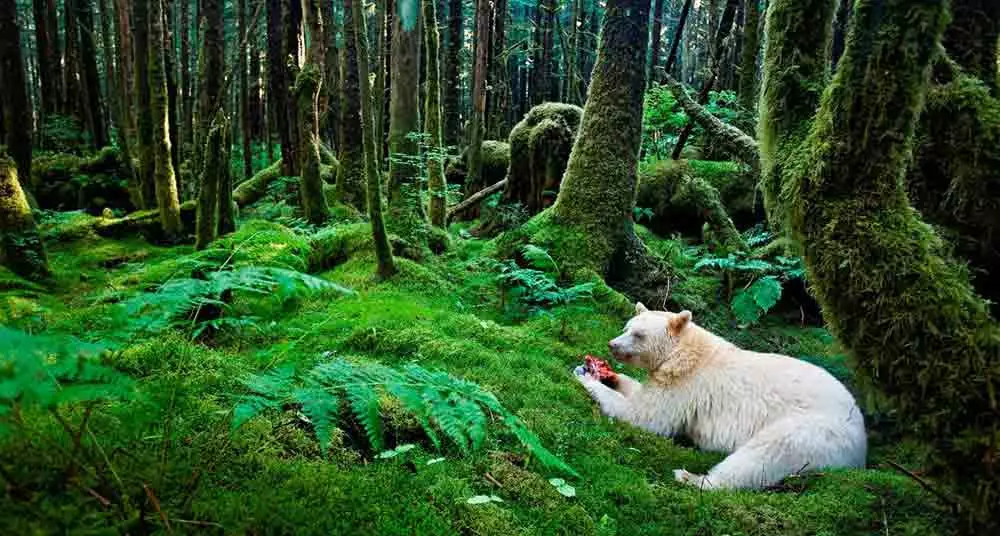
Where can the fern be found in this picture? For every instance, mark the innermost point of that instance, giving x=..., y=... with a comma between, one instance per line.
x=446, y=406
x=756, y=300
x=47, y=372
x=540, y=259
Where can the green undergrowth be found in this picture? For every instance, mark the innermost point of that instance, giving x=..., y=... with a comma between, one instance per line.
x=172, y=440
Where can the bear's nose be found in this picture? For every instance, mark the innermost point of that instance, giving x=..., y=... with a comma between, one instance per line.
x=611, y=345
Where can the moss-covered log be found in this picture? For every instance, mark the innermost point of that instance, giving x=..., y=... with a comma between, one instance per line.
x=253, y=189
x=21, y=247
x=311, y=183
x=146, y=223
x=889, y=291
x=738, y=144
x=496, y=159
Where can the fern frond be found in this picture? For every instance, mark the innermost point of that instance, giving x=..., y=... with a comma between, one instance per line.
x=365, y=406
x=540, y=259
x=320, y=406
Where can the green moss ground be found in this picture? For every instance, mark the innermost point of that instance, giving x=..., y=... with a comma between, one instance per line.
x=269, y=476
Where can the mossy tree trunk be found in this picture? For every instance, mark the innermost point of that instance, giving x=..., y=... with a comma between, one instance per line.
x=452, y=91
x=227, y=205
x=331, y=76
x=144, y=112
x=166, y=185
x=597, y=194
x=210, y=73
x=432, y=118
x=473, y=180
x=93, y=112
x=747, y=91
x=386, y=264
x=406, y=211
x=207, y=223
x=244, y=92
x=310, y=183
x=21, y=248
x=16, y=107
x=971, y=38
x=888, y=289
x=351, y=174
x=656, y=40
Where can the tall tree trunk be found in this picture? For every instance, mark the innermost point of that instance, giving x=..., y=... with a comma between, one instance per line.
x=678, y=37
x=355, y=27
x=48, y=61
x=72, y=73
x=169, y=64
x=21, y=247
x=432, y=118
x=573, y=95
x=654, y=47
x=126, y=129
x=52, y=21
x=207, y=219
x=227, y=206
x=499, y=101
x=882, y=275
x=406, y=211
x=187, y=91
x=748, y=62
x=166, y=185
x=93, y=110
x=17, y=109
x=244, y=92
x=452, y=90
x=277, y=89
x=598, y=189
x=211, y=69
x=331, y=72
x=383, y=127
x=117, y=100
x=351, y=173
x=144, y=113
x=473, y=180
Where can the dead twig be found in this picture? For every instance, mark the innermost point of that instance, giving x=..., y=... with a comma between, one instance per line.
x=156, y=505
x=924, y=484
x=492, y=480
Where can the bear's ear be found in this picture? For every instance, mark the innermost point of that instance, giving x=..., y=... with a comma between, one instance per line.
x=640, y=308
x=677, y=322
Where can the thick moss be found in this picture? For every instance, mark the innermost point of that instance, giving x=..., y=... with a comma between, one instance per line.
x=310, y=183
x=889, y=291
x=496, y=160
x=93, y=183
x=206, y=226
x=253, y=189
x=598, y=189
x=955, y=177
x=21, y=248
x=540, y=145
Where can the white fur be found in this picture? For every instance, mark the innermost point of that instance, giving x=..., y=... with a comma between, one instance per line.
x=776, y=415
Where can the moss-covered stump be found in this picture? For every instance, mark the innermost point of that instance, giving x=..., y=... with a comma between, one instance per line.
x=92, y=183
x=21, y=247
x=539, y=150
x=955, y=178
x=496, y=159
x=664, y=185
x=335, y=245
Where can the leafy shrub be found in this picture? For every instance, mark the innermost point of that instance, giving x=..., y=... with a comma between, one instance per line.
x=534, y=289
x=761, y=279
x=439, y=401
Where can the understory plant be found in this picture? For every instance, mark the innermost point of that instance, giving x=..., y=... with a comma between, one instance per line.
x=447, y=408
x=534, y=289
x=753, y=280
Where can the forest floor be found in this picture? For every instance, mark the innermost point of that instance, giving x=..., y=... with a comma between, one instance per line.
x=173, y=440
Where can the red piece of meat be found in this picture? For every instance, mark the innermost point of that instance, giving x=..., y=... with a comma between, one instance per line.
x=600, y=369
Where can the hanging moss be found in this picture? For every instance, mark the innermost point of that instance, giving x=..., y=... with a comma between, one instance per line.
x=954, y=180
x=21, y=248
x=895, y=299
x=310, y=183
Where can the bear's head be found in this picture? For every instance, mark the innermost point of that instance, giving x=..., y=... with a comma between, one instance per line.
x=649, y=337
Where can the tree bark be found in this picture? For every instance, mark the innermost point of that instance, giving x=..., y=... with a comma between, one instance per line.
x=72, y=72
x=886, y=282
x=144, y=117
x=210, y=74
x=740, y=146
x=310, y=183
x=971, y=38
x=386, y=265
x=406, y=211
x=432, y=118
x=452, y=93
x=654, y=47
x=351, y=174
x=166, y=185
x=16, y=107
x=473, y=181
x=187, y=95
x=244, y=92
x=497, y=126
x=21, y=247
x=207, y=222
x=93, y=109
x=48, y=60
x=598, y=189
x=748, y=61
x=331, y=72
x=278, y=86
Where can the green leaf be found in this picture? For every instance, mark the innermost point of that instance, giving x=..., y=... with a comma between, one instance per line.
x=766, y=291
x=745, y=309
x=562, y=487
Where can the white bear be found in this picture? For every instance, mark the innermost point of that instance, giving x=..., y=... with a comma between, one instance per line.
x=774, y=414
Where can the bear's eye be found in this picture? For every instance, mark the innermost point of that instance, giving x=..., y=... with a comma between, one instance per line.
x=638, y=335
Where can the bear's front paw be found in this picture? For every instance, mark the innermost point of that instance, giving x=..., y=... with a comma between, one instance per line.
x=580, y=371
x=685, y=477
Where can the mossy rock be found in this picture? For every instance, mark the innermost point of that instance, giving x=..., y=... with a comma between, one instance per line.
x=496, y=159
x=71, y=182
x=539, y=147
